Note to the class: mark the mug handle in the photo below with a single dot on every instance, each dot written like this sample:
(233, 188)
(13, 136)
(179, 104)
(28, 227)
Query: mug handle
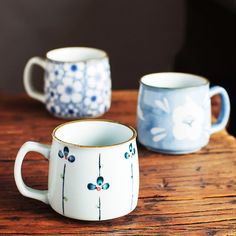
(41, 195)
(224, 110)
(28, 78)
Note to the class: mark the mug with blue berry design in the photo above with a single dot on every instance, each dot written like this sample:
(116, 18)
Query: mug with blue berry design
(77, 82)
(93, 170)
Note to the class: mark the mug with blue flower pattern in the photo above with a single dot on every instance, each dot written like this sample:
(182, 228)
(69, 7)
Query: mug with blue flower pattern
(93, 170)
(77, 82)
(174, 112)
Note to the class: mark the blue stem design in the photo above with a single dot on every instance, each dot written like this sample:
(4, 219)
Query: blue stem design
(99, 208)
(63, 189)
(99, 174)
(99, 165)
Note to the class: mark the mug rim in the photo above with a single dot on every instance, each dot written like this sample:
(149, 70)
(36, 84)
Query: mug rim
(206, 81)
(134, 135)
(105, 55)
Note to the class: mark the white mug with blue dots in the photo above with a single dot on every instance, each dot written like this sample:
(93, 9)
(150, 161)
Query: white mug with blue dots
(77, 82)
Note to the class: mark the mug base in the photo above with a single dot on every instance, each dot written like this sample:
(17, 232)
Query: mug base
(95, 219)
(172, 152)
(75, 117)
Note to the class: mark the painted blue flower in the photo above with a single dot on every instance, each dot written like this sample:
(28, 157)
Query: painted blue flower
(57, 71)
(65, 86)
(65, 154)
(99, 186)
(69, 91)
(131, 152)
(74, 67)
(94, 98)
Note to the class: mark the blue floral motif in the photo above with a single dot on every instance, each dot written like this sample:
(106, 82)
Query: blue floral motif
(74, 67)
(131, 152)
(70, 158)
(75, 90)
(99, 186)
(130, 155)
(65, 155)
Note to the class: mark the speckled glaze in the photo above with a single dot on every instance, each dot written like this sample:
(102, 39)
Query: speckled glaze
(177, 120)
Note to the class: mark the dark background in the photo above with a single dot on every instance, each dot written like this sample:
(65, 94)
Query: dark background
(140, 37)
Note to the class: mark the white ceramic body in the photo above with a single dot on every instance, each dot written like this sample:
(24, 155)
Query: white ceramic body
(77, 82)
(88, 182)
(174, 112)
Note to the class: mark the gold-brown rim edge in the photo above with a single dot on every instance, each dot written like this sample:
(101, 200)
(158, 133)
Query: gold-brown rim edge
(157, 73)
(86, 120)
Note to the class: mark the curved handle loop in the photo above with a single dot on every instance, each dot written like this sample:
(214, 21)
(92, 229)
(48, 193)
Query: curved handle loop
(41, 195)
(224, 111)
(28, 78)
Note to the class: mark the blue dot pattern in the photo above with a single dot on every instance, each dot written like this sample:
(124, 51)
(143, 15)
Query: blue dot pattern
(77, 90)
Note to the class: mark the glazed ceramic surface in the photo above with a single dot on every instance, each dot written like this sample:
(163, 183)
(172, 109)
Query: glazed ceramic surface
(77, 82)
(93, 170)
(174, 112)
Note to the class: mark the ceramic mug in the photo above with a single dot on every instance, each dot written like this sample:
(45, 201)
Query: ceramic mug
(174, 112)
(77, 82)
(93, 170)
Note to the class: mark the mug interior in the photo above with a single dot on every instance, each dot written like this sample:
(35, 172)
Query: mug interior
(173, 80)
(75, 54)
(94, 133)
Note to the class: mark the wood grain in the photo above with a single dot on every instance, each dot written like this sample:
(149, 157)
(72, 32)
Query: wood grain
(179, 195)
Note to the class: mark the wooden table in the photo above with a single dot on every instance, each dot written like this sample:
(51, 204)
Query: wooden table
(179, 195)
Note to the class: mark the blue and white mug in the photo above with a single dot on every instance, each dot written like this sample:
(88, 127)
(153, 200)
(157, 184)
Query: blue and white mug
(93, 170)
(174, 112)
(77, 82)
